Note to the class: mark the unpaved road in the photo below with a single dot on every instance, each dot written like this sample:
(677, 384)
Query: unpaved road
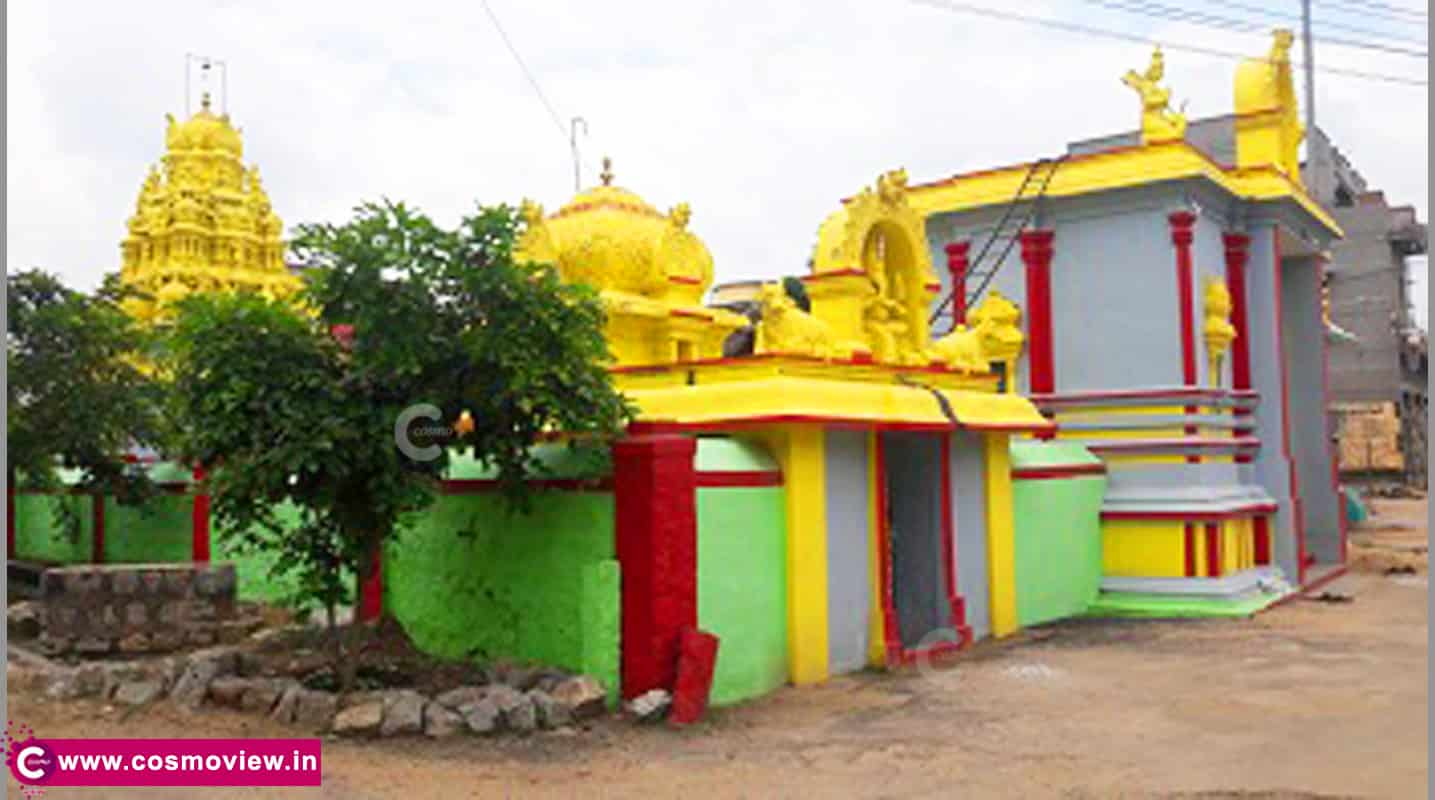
(1310, 699)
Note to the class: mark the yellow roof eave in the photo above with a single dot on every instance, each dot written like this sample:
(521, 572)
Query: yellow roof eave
(1115, 169)
(798, 400)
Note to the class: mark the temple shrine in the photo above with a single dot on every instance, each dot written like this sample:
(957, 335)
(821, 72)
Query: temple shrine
(1087, 385)
(203, 222)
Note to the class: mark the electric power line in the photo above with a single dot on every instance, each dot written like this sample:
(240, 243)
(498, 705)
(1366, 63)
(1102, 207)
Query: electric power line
(532, 81)
(1175, 14)
(1074, 27)
(1322, 23)
(1383, 10)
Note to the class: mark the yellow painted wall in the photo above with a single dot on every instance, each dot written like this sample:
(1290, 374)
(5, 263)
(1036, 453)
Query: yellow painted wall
(1143, 548)
(1001, 535)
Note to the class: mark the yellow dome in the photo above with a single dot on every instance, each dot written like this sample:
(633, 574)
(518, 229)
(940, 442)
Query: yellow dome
(611, 239)
(205, 131)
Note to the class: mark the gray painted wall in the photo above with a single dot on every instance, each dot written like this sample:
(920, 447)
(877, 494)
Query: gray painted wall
(969, 505)
(1305, 357)
(914, 505)
(1122, 236)
(1270, 467)
(848, 582)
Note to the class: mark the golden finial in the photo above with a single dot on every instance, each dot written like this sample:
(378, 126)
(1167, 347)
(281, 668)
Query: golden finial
(607, 174)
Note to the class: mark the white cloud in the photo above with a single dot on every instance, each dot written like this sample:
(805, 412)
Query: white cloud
(762, 116)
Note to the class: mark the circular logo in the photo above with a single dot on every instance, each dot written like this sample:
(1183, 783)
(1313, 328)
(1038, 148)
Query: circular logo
(34, 762)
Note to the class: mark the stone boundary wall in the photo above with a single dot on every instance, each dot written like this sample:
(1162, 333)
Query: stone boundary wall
(94, 610)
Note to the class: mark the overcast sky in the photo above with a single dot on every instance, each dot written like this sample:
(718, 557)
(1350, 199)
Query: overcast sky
(761, 115)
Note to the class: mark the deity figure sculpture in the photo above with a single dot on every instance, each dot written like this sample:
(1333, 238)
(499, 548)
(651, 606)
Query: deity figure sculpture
(787, 329)
(1159, 123)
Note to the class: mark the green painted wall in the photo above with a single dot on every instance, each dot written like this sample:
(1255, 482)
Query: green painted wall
(1058, 533)
(38, 536)
(472, 579)
(157, 532)
(742, 573)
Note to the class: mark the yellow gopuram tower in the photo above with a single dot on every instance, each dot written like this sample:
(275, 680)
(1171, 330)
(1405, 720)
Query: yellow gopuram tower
(203, 222)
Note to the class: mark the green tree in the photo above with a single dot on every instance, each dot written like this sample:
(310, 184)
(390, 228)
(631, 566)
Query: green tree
(347, 409)
(78, 398)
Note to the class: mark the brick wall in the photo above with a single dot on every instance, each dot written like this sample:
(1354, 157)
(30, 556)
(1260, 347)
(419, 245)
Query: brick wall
(134, 608)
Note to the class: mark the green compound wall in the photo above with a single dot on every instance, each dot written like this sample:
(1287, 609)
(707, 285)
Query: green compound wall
(742, 572)
(471, 579)
(1058, 531)
(157, 532)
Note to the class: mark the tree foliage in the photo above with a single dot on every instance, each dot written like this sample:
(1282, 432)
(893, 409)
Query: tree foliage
(78, 397)
(301, 406)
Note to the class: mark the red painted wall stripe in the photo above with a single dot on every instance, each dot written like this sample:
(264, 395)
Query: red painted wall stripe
(1237, 246)
(1036, 252)
(1058, 472)
(1234, 513)
(713, 480)
(892, 633)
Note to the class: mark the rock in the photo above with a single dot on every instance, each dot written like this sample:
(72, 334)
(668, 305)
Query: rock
(462, 696)
(550, 712)
(286, 704)
(360, 720)
(226, 659)
(582, 695)
(236, 631)
(94, 645)
(22, 620)
(138, 693)
(440, 721)
(350, 699)
(262, 694)
(229, 691)
(25, 678)
(121, 673)
(482, 717)
(90, 679)
(189, 691)
(315, 710)
(53, 645)
(62, 685)
(403, 713)
(650, 706)
(135, 643)
(522, 716)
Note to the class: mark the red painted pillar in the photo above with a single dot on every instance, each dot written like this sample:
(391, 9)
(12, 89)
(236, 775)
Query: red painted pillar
(1213, 549)
(957, 266)
(9, 519)
(655, 511)
(1181, 236)
(371, 594)
(97, 519)
(1262, 535)
(1237, 249)
(199, 520)
(1036, 254)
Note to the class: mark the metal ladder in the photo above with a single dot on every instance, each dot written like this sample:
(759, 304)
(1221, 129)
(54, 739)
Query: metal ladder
(981, 271)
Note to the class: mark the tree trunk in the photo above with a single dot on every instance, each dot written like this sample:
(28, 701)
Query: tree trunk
(348, 669)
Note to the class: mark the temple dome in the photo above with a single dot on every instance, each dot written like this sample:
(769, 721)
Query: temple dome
(204, 131)
(612, 239)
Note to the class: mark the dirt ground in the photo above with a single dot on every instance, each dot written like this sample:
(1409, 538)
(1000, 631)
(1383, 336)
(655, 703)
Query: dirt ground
(1310, 699)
